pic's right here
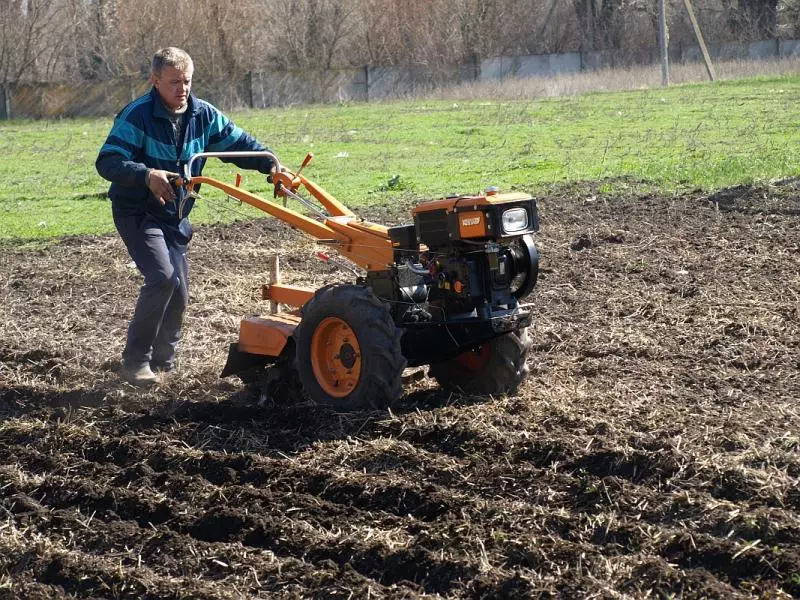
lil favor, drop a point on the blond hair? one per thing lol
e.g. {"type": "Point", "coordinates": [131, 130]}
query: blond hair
{"type": "Point", "coordinates": [171, 57]}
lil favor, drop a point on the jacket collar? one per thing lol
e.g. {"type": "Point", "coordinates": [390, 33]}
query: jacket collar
{"type": "Point", "coordinates": [160, 111]}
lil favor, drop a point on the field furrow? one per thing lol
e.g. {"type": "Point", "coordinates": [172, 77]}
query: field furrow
{"type": "Point", "coordinates": [653, 450]}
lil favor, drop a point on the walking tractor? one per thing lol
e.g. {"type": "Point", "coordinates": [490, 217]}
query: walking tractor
{"type": "Point", "coordinates": [445, 291]}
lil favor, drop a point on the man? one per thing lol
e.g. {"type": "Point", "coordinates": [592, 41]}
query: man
{"type": "Point", "coordinates": [150, 141]}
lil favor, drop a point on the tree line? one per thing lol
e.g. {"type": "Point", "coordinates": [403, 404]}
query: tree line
{"type": "Point", "coordinates": [95, 40]}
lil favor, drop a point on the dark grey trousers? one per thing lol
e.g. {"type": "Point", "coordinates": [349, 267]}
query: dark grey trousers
{"type": "Point", "coordinates": [155, 328]}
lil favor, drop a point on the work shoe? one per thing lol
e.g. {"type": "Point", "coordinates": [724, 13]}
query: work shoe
{"type": "Point", "coordinates": [158, 366]}
{"type": "Point", "coordinates": [140, 376]}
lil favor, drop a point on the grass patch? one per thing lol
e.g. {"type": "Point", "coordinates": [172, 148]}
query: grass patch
{"type": "Point", "coordinates": [691, 136]}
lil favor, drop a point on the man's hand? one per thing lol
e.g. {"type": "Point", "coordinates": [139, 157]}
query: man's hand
{"type": "Point", "coordinates": [159, 183]}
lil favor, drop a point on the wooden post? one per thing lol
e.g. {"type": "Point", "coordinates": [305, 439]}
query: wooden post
{"type": "Point", "coordinates": [274, 277]}
{"type": "Point", "coordinates": [475, 66]}
{"type": "Point", "coordinates": [7, 102]}
{"type": "Point", "coordinates": [590, 16]}
{"type": "Point", "coordinates": [248, 82]}
{"type": "Point", "coordinates": [663, 41]}
{"type": "Point", "coordinates": [699, 35]}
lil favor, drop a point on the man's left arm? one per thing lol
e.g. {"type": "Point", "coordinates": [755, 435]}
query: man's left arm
{"type": "Point", "coordinates": [226, 136]}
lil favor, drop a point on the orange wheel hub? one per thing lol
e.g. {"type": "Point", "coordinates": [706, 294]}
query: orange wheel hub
{"type": "Point", "coordinates": [335, 357]}
{"type": "Point", "coordinates": [475, 360]}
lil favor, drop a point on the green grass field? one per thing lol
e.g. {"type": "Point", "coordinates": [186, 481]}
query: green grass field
{"type": "Point", "coordinates": [708, 136]}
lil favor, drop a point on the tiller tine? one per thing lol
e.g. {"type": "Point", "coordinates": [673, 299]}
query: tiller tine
{"type": "Point", "coordinates": [241, 362]}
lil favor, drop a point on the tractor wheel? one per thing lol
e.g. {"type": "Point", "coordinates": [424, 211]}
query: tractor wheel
{"type": "Point", "coordinates": [496, 367]}
{"type": "Point", "coordinates": [348, 349]}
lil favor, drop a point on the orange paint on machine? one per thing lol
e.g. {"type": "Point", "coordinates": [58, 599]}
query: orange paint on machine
{"type": "Point", "coordinates": [473, 224]}
{"type": "Point", "coordinates": [447, 290]}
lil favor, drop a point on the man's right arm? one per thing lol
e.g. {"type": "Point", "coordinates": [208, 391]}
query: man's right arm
{"type": "Point", "coordinates": [116, 162]}
{"type": "Point", "coordinates": [117, 170]}
{"type": "Point", "coordinates": [116, 159]}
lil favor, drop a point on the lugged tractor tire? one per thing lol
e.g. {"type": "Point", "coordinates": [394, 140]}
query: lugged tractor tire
{"type": "Point", "coordinates": [496, 367]}
{"type": "Point", "coordinates": [347, 349]}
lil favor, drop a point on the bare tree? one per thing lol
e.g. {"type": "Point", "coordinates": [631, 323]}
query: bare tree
{"type": "Point", "coordinates": [311, 33]}
{"type": "Point", "coordinates": [98, 58]}
{"type": "Point", "coordinates": [789, 18]}
{"type": "Point", "coordinates": [753, 19]}
{"type": "Point", "coordinates": [586, 14]}
{"type": "Point", "coordinates": [94, 40]}
{"type": "Point", "coordinates": [27, 42]}
{"type": "Point", "coordinates": [421, 32]}
{"type": "Point", "coordinates": [477, 19]}
{"type": "Point", "coordinates": [124, 35]}
{"type": "Point", "coordinates": [378, 31]}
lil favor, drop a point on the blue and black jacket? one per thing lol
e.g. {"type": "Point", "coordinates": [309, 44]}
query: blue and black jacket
{"type": "Point", "coordinates": [143, 138]}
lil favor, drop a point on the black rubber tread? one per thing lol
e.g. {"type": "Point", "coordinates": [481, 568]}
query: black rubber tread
{"type": "Point", "coordinates": [533, 268]}
{"type": "Point", "coordinates": [505, 370]}
{"type": "Point", "coordinates": [382, 359]}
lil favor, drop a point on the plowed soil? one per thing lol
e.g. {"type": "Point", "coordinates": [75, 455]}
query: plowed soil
{"type": "Point", "coordinates": [653, 452]}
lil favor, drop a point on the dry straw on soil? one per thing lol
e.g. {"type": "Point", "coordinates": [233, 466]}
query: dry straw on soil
{"type": "Point", "coordinates": [654, 450]}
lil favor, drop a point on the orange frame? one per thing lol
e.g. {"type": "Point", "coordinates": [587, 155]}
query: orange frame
{"type": "Point", "coordinates": [365, 244]}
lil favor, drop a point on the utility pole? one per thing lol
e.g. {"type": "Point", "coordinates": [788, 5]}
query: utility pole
{"type": "Point", "coordinates": [663, 41]}
{"type": "Point", "coordinates": [699, 35]}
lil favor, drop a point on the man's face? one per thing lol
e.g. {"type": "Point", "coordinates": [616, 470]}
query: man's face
{"type": "Point", "coordinates": [173, 86]}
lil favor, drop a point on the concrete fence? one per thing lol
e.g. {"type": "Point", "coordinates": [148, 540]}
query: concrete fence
{"type": "Point", "coordinates": [279, 88]}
